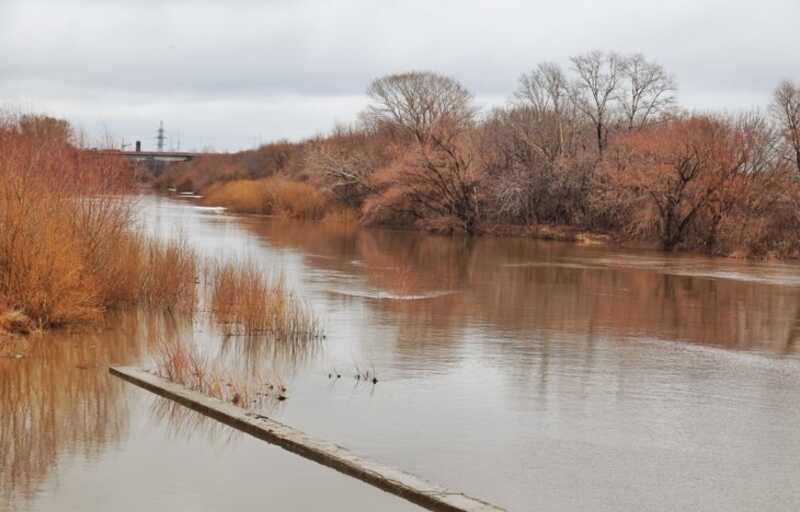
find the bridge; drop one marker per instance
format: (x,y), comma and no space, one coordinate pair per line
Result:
(157,156)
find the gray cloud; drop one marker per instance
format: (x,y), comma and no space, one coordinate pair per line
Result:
(235,73)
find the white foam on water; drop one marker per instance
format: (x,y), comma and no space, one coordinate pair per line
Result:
(384,295)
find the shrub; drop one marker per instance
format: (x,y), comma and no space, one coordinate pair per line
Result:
(69,246)
(243,196)
(294,199)
(271,196)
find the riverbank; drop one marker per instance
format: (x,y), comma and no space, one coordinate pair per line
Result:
(711,183)
(348,218)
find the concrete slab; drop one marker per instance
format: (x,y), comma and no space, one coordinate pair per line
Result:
(400,483)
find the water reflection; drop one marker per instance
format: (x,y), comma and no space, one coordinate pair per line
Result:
(185,424)
(567,371)
(520,287)
(59,400)
(255,353)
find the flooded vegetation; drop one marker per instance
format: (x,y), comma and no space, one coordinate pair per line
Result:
(184,364)
(423,352)
(70,249)
(246,302)
(270,196)
(567,369)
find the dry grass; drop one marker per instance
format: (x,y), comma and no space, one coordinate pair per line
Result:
(244,301)
(243,196)
(69,246)
(184,364)
(170,276)
(271,196)
(155,273)
(295,199)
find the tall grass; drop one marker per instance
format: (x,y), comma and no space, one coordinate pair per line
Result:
(295,199)
(343,217)
(243,196)
(171,275)
(244,301)
(270,196)
(69,246)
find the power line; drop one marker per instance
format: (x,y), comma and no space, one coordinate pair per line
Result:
(160,137)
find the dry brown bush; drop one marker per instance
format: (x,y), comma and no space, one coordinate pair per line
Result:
(69,246)
(242,196)
(704,183)
(270,196)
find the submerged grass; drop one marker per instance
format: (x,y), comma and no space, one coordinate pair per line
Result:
(184,364)
(172,275)
(245,301)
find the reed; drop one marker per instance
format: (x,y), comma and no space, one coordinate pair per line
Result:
(294,199)
(171,275)
(245,301)
(270,196)
(242,196)
(343,217)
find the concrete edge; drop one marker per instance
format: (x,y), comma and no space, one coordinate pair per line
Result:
(328,454)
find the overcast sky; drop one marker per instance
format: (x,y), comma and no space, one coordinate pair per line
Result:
(231,74)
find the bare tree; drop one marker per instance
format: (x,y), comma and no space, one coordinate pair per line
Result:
(416,101)
(544,89)
(532,175)
(548,98)
(647,92)
(786,109)
(598,85)
(347,173)
(441,180)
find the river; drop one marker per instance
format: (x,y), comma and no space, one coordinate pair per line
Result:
(537,375)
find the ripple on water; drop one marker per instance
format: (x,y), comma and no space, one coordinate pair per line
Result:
(384,295)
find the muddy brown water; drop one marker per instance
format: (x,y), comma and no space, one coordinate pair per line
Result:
(537,375)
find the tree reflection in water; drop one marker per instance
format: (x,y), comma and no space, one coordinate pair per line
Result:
(521,288)
(60,400)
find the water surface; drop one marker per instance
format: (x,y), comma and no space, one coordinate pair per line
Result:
(537,375)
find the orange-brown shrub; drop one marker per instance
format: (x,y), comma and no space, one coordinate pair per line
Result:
(702,183)
(270,196)
(294,199)
(69,247)
(242,196)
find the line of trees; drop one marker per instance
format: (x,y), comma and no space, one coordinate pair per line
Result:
(600,146)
